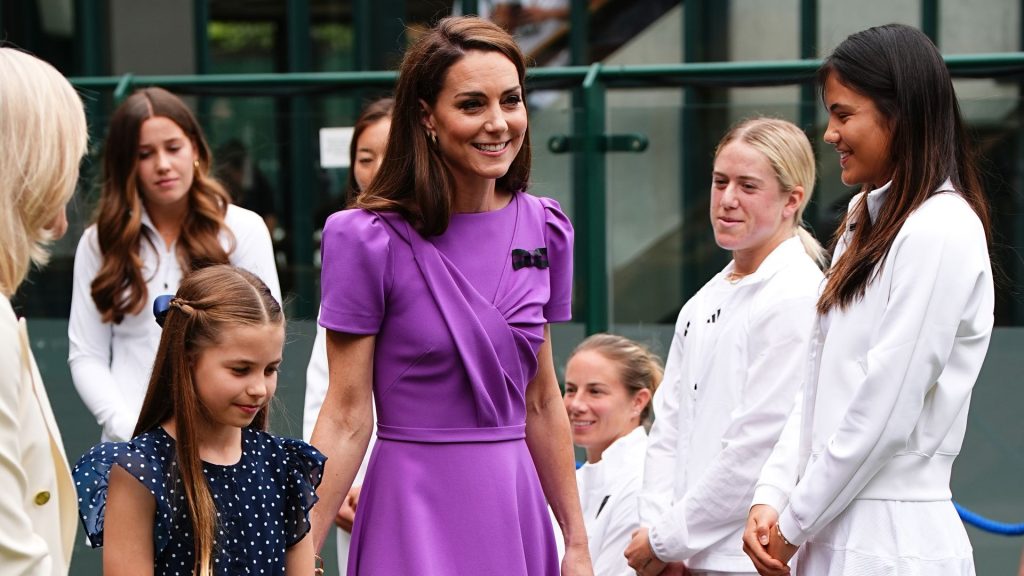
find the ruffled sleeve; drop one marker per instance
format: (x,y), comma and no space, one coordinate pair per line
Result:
(558,237)
(304,470)
(92,475)
(357,272)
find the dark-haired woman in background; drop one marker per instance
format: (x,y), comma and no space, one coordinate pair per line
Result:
(903,327)
(161,215)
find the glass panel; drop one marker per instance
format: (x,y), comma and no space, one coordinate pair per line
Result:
(837,20)
(973,26)
(648,232)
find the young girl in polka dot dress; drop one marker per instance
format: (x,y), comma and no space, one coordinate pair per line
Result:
(201,488)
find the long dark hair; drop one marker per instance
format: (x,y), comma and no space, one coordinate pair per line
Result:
(413,179)
(119,287)
(902,72)
(373,112)
(208,302)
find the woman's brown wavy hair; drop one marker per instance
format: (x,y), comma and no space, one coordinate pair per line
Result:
(119,287)
(413,179)
(208,302)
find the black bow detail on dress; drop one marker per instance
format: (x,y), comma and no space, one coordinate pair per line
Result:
(526,259)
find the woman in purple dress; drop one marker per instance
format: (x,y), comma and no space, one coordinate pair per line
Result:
(437,292)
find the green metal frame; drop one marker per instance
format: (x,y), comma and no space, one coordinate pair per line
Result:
(300,147)
(589,137)
(591,252)
(639,76)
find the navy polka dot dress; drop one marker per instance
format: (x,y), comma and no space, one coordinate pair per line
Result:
(263,501)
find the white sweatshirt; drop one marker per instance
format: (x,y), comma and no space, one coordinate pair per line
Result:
(735,366)
(890,377)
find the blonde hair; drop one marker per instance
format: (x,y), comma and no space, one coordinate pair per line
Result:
(638,367)
(43,137)
(789,151)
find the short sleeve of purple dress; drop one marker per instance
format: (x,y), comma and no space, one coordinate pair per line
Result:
(450,487)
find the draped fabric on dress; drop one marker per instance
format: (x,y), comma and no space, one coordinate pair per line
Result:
(451,487)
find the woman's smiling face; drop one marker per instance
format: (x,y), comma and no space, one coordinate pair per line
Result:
(601,408)
(479,118)
(860,134)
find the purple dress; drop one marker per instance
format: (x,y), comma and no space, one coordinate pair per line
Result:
(451,487)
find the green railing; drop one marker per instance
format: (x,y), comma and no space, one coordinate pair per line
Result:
(588,142)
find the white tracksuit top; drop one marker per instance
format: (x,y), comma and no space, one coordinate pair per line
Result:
(735,367)
(884,409)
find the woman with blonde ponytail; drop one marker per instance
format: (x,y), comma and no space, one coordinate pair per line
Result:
(161,215)
(737,358)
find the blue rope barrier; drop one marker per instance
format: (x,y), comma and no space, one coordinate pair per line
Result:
(987,524)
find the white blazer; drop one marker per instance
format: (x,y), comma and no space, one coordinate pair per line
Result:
(734,369)
(890,377)
(38,514)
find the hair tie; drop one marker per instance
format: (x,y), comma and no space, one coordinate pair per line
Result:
(161,305)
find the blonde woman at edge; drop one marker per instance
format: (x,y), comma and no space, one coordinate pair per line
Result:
(609,382)
(737,359)
(43,137)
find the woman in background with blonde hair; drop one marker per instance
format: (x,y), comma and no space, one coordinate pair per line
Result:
(609,382)
(737,359)
(43,136)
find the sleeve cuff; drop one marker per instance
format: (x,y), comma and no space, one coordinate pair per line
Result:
(790,528)
(657,544)
(770,496)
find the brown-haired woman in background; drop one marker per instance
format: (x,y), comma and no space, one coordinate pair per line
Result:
(437,293)
(161,215)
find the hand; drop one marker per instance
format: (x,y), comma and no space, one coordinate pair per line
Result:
(347,513)
(675,569)
(576,561)
(641,556)
(778,547)
(761,522)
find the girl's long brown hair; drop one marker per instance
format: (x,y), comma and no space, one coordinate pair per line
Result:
(413,179)
(209,302)
(119,287)
(902,72)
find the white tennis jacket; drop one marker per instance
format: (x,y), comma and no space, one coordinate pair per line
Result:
(890,377)
(736,364)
